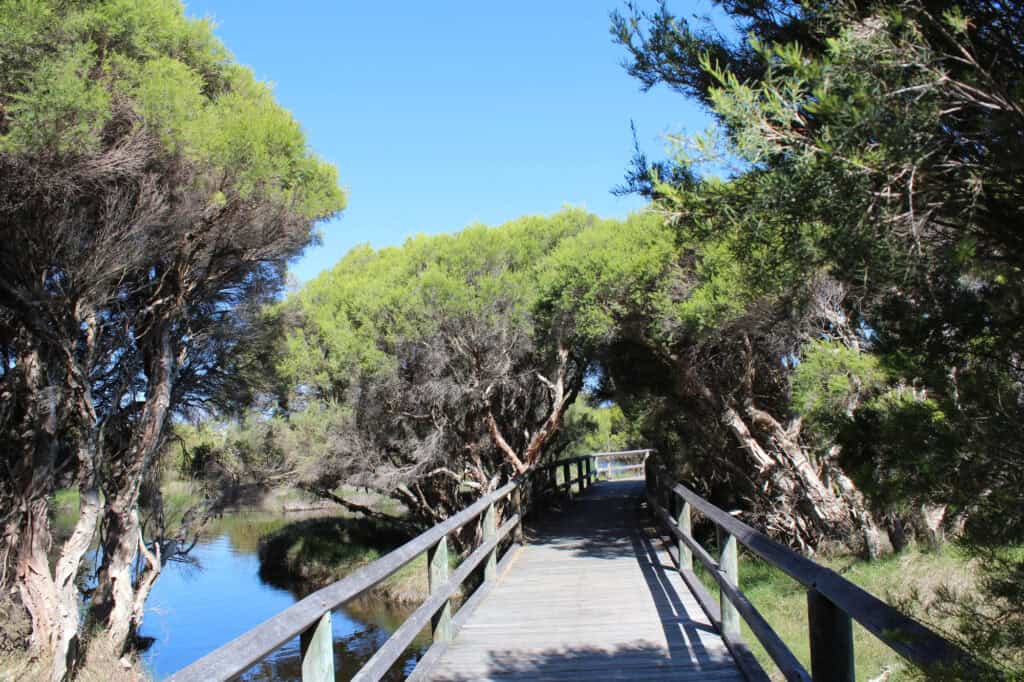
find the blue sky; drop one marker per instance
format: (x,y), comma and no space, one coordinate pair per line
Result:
(442,114)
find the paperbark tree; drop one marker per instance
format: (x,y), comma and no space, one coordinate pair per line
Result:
(152,192)
(424,372)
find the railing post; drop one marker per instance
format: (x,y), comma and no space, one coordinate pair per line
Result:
(316,646)
(517,508)
(831,634)
(729,564)
(437,560)
(649,481)
(567,479)
(490,530)
(684,520)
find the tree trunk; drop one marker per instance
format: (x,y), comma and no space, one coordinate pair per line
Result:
(35,582)
(561,392)
(32,567)
(897,532)
(65,653)
(928,524)
(114,602)
(802,505)
(115,595)
(52,598)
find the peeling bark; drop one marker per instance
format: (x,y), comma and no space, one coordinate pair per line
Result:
(66,649)
(804,506)
(502,444)
(561,397)
(115,596)
(35,583)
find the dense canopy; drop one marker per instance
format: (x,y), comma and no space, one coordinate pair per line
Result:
(817,320)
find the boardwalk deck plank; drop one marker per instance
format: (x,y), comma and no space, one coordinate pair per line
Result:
(590,597)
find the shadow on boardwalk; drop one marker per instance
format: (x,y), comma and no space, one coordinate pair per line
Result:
(590,598)
(640,662)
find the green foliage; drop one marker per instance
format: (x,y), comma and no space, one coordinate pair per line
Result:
(597,428)
(831,381)
(355,317)
(894,433)
(880,147)
(62,108)
(608,276)
(70,69)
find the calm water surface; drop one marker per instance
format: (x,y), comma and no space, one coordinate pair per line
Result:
(194,609)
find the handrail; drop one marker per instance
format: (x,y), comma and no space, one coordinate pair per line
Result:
(309,618)
(642,451)
(609,470)
(832,600)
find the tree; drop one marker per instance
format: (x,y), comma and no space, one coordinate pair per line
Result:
(688,346)
(425,372)
(882,144)
(152,192)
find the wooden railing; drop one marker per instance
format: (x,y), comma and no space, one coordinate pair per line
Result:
(310,618)
(611,469)
(832,601)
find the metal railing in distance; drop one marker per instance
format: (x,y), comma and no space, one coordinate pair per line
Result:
(310,618)
(611,469)
(833,602)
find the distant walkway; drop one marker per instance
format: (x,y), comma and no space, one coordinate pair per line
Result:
(589,598)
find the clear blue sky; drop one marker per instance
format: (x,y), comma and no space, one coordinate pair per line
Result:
(442,114)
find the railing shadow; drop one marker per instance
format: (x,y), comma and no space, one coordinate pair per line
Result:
(682,632)
(610,522)
(626,662)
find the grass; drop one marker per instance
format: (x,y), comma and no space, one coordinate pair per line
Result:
(909,577)
(179,496)
(98,666)
(305,555)
(64,512)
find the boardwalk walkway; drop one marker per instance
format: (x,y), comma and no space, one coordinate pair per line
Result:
(590,597)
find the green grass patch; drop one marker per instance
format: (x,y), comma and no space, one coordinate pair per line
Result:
(305,555)
(908,578)
(64,513)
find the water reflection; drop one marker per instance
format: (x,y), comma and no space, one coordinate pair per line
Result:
(196,608)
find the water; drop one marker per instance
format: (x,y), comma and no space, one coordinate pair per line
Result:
(195,608)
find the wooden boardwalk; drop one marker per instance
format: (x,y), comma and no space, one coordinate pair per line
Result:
(590,597)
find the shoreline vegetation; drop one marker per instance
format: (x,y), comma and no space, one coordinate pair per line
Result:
(304,543)
(308,554)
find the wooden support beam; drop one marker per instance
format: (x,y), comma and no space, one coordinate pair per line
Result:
(490,529)
(437,561)
(728,563)
(517,509)
(831,633)
(316,645)
(684,522)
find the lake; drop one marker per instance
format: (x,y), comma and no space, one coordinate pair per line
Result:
(196,607)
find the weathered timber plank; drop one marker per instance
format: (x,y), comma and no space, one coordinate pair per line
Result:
(589,597)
